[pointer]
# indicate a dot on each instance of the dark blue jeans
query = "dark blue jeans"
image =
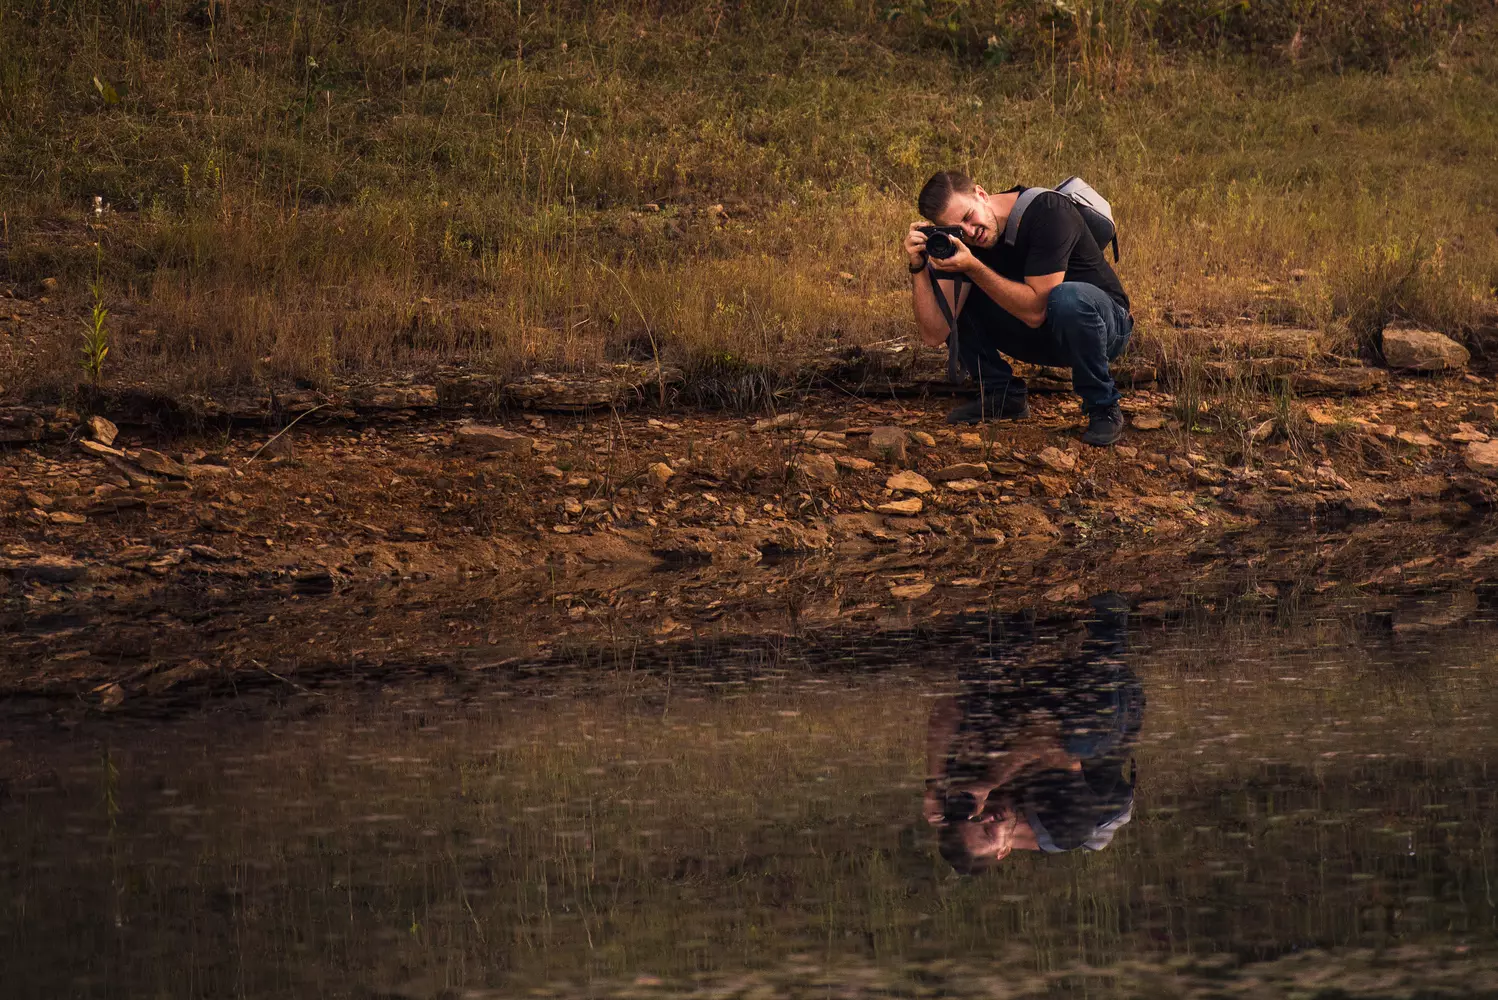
(1084, 330)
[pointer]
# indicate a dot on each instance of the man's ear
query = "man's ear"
(979, 193)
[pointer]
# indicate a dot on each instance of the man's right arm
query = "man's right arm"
(929, 321)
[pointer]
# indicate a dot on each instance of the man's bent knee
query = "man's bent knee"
(1067, 302)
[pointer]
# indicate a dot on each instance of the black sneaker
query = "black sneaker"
(1104, 427)
(1006, 406)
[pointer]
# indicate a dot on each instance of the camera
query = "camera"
(940, 241)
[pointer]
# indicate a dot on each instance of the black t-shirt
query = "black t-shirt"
(1052, 237)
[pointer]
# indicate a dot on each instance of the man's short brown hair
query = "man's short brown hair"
(939, 190)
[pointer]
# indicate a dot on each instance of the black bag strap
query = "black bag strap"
(954, 363)
(1011, 228)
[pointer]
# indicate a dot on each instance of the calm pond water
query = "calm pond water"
(989, 807)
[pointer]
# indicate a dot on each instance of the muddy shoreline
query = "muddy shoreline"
(173, 562)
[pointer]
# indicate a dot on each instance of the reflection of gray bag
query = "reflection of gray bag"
(1096, 211)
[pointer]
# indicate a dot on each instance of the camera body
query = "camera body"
(940, 241)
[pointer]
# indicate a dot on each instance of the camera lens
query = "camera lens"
(940, 246)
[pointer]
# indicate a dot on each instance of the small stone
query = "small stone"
(969, 440)
(962, 470)
(1262, 432)
(1180, 463)
(572, 505)
(579, 483)
(552, 472)
(1422, 351)
(902, 508)
(1320, 417)
(660, 473)
(209, 553)
(923, 439)
(847, 276)
(910, 591)
(1064, 592)
(853, 463)
(963, 485)
(909, 482)
(155, 461)
(818, 467)
(1147, 421)
(490, 440)
(36, 498)
(889, 442)
(49, 284)
(208, 470)
(1057, 460)
(1482, 457)
(66, 517)
(988, 537)
(1125, 451)
(1416, 438)
(775, 423)
(101, 430)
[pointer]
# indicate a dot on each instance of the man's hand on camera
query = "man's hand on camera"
(960, 262)
(915, 245)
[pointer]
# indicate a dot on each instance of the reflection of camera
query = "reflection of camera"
(941, 241)
(959, 806)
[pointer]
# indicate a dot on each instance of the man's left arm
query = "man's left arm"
(1025, 301)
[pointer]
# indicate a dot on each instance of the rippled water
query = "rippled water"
(1304, 804)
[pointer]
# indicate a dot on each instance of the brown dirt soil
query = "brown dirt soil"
(395, 545)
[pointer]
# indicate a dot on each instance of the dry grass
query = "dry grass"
(314, 194)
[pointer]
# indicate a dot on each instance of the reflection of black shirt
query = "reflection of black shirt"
(1052, 237)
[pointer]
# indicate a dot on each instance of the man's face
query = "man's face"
(975, 215)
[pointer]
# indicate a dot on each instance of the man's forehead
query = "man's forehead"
(957, 206)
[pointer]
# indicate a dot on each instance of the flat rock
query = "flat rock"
(101, 429)
(155, 461)
(818, 467)
(902, 508)
(890, 442)
(825, 440)
(969, 440)
(1416, 438)
(491, 440)
(853, 463)
(687, 545)
(910, 591)
(963, 485)
(660, 473)
(98, 450)
(775, 423)
(49, 569)
(1338, 381)
(1147, 421)
(208, 470)
(962, 470)
(909, 482)
(923, 439)
(1057, 460)
(1415, 350)
(1482, 457)
(391, 397)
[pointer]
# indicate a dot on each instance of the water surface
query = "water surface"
(1310, 802)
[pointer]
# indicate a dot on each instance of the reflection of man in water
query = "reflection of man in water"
(1036, 756)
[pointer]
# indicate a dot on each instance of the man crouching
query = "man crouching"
(1050, 298)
